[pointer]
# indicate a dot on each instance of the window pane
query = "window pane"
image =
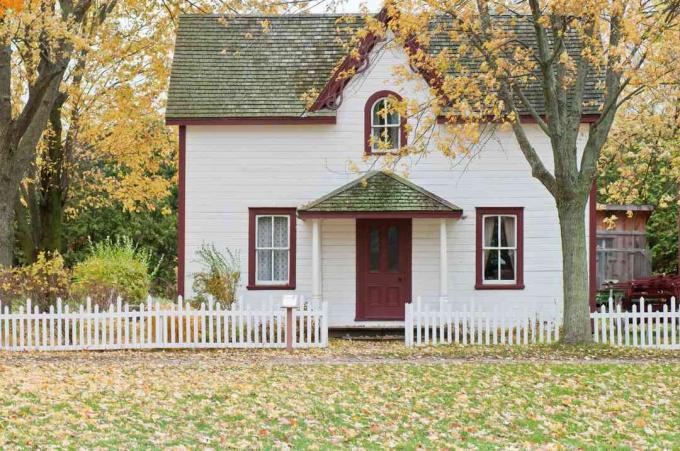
(374, 249)
(491, 265)
(280, 266)
(264, 265)
(508, 238)
(393, 248)
(507, 265)
(393, 118)
(377, 136)
(280, 231)
(264, 231)
(393, 137)
(378, 117)
(491, 231)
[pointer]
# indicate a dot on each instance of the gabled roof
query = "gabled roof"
(230, 68)
(380, 192)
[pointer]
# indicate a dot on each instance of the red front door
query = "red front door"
(383, 268)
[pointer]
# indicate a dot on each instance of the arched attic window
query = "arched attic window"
(384, 128)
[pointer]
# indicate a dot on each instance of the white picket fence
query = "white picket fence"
(640, 327)
(447, 322)
(153, 325)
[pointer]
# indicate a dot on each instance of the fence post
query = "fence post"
(324, 324)
(160, 325)
(408, 332)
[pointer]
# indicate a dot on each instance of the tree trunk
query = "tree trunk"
(8, 192)
(51, 196)
(572, 216)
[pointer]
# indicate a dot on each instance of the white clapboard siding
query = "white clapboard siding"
(447, 322)
(152, 325)
(641, 327)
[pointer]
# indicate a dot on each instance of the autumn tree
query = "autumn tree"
(37, 43)
(485, 78)
(105, 142)
(81, 100)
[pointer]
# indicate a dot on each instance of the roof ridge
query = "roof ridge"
(338, 190)
(421, 190)
(370, 174)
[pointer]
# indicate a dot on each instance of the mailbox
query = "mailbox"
(289, 301)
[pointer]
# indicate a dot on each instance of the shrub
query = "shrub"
(220, 277)
(42, 282)
(113, 268)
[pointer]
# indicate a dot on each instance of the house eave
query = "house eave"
(379, 214)
(256, 120)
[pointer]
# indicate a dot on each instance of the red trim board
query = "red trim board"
(379, 214)
(529, 119)
(592, 245)
(264, 120)
(181, 207)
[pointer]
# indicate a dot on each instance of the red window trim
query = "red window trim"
(479, 280)
(367, 120)
(253, 212)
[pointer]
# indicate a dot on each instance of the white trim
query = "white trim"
(317, 283)
(385, 125)
(443, 262)
(272, 248)
(499, 248)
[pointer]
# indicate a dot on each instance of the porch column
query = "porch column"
(316, 260)
(443, 262)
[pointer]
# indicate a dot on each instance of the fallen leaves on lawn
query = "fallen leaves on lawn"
(261, 399)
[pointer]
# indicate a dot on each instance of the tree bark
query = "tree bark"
(572, 216)
(9, 184)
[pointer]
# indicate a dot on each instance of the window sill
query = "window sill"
(516, 286)
(270, 287)
(394, 152)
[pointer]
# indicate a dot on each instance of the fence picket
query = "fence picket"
(469, 325)
(675, 319)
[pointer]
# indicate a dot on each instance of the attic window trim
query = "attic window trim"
(368, 122)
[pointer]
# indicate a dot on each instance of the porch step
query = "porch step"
(367, 334)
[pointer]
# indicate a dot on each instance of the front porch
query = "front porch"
(366, 238)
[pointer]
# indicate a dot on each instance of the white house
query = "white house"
(262, 174)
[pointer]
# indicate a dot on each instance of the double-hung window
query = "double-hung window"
(271, 248)
(499, 248)
(385, 127)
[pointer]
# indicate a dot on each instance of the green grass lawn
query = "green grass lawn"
(238, 399)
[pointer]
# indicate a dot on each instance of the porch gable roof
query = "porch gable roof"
(377, 193)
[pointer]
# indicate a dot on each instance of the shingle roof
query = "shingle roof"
(231, 68)
(524, 33)
(379, 191)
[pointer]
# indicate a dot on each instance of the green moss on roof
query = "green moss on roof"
(380, 192)
(229, 67)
